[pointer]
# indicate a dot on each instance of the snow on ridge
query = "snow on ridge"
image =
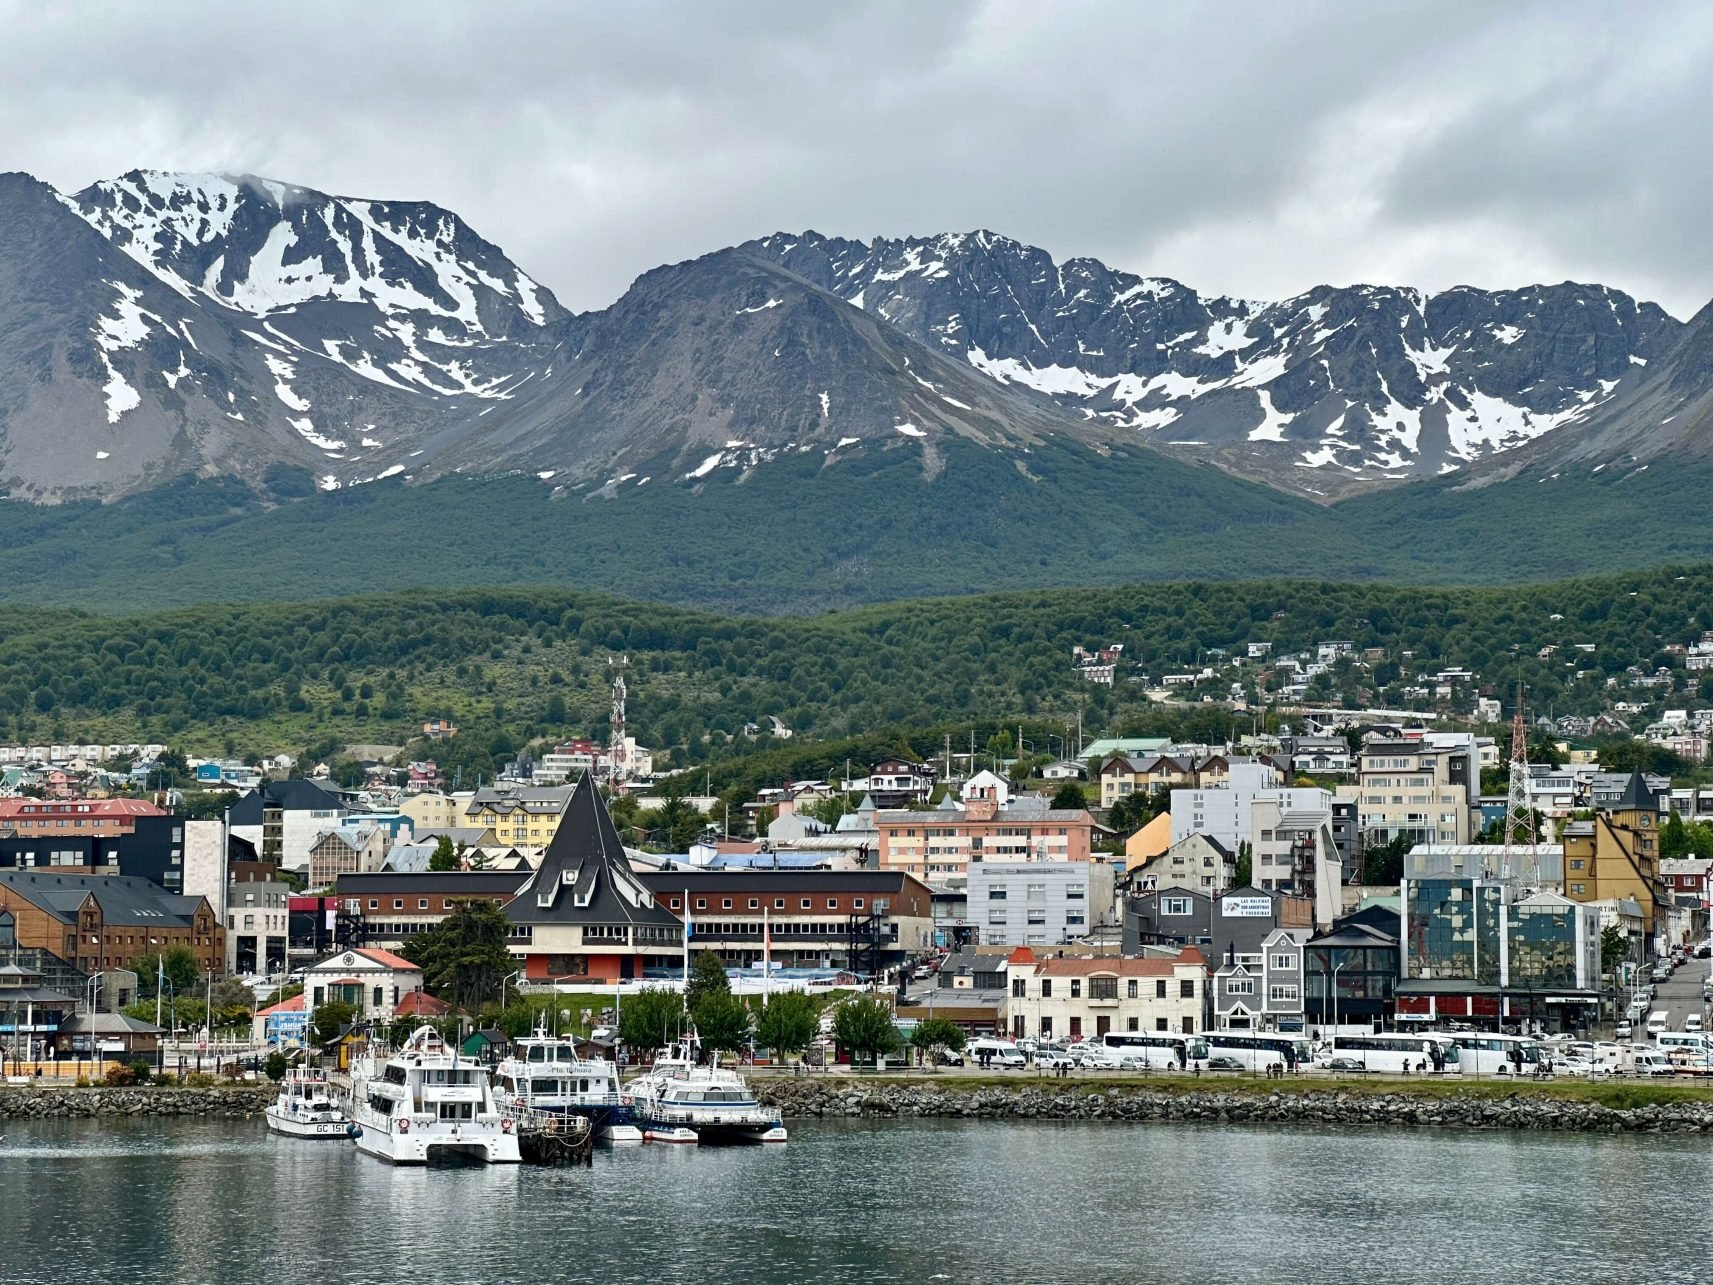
(771, 303)
(1273, 421)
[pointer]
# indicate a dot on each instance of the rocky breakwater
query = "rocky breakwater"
(73, 1103)
(846, 1097)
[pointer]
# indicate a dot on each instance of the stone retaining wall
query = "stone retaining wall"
(246, 1100)
(841, 1097)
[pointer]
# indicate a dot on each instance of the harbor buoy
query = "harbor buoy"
(403, 1123)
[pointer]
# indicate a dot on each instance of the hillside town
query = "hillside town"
(1351, 878)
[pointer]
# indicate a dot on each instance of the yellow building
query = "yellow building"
(1616, 854)
(435, 811)
(524, 816)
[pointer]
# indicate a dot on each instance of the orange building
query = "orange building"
(29, 818)
(95, 922)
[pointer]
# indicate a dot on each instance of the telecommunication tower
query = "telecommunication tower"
(618, 765)
(1520, 827)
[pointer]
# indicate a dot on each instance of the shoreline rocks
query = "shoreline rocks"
(75, 1103)
(852, 1098)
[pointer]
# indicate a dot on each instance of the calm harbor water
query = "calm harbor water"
(224, 1202)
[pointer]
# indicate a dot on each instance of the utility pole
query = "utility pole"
(1519, 816)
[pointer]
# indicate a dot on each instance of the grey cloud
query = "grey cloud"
(1252, 148)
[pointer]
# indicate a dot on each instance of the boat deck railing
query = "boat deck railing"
(693, 1119)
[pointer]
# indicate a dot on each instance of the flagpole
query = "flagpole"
(766, 956)
(687, 931)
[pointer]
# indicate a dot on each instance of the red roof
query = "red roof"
(422, 1004)
(387, 958)
(80, 807)
(292, 1005)
(1022, 955)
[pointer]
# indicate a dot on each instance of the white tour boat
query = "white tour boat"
(305, 1107)
(545, 1074)
(680, 1100)
(426, 1104)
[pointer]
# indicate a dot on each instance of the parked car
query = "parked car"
(951, 1057)
(1703, 951)
(1692, 1022)
(1054, 1061)
(1623, 1031)
(1222, 1063)
(1344, 1064)
(999, 1053)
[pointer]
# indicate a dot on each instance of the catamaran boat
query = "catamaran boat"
(426, 1104)
(545, 1074)
(680, 1100)
(305, 1107)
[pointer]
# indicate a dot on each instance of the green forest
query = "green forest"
(799, 536)
(512, 665)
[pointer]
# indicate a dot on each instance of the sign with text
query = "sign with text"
(1247, 907)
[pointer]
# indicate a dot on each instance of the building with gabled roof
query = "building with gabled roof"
(374, 982)
(95, 922)
(583, 913)
(1077, 998)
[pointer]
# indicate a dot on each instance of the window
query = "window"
(1131, 991)
(856, 903)
(805, 903)
(378, 1000)
(1240, 986)
(1579, 889)
(1038, 918)
(701, 903)
(1046, 988)
(1132, 1023)
(422, 903)
(1074, 917)
(754, 904)
(1160, 989)
(673, 904)
(1017, 988)
(1076, 988)
(1073, 894)
(832, 903)
(725, 903)
(398, 903)
(1174, 905)
(996, 917)
(996, 894)
(1103, 988)
(1282, 993)
(1187, 988)
(779, 903)
(1286, 962)
(1160, 1024)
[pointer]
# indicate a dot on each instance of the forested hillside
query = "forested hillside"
(804, 535)
(509, 665)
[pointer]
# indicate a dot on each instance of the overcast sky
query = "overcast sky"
(1254, 150)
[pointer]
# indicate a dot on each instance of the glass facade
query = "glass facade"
(1452, 928)
(1542, 945)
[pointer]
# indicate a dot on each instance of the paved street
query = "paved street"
(1681, 995)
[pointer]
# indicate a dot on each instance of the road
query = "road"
(1681, 995)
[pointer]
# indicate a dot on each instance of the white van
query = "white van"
(1651, 1064)
(1657, 1022)
(999, 1053)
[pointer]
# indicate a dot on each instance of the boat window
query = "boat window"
(457, 1110)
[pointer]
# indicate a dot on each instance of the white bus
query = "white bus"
(1259, 1050)
(1397, 1051)
(1482, 1054)
(1693, 1041)
(1161, 1048)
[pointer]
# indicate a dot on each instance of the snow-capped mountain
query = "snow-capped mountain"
(158, 324)
(216, 324)
(1336, 386)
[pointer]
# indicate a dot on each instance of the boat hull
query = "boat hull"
(333, 1129)
(474, 1144)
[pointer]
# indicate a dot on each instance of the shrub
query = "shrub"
(275, 1066)
(120, 1077)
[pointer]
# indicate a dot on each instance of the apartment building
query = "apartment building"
(1423, 790)
(1039, 903)
(1055, 998)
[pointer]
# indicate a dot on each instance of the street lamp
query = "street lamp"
(1335, 973)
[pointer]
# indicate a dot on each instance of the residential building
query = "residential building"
(897, 782)
(522, 816)
(432, 811)
(1423, 790)
(938, 845)
(583, 913)
(94, 922)
(1224, 811)
(347, 849)
(1148, 842)
(258, 927)
(1198, 861)
(1069, 998)
(1260, 988)
(375, 983)
(1039, 903)
(28, 818)
(1319, 755)
(1293, 849)
(283, 818)
(1178, 917)
(1616, 856)
(865, 921)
